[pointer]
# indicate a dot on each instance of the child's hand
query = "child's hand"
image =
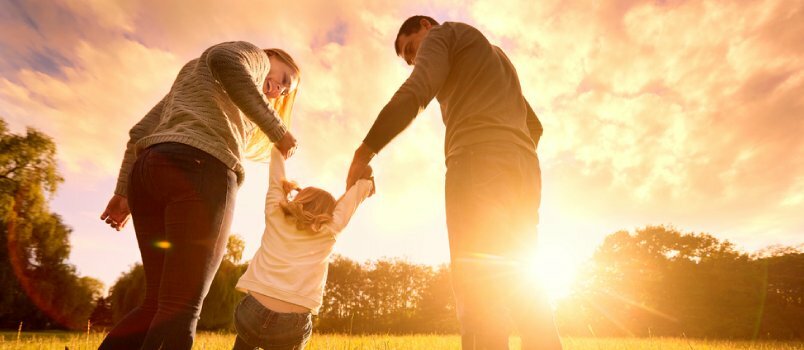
(368, 173)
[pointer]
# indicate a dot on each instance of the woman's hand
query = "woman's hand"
(287, 145)
(117, 212)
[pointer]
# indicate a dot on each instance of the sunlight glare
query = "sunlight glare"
(555, 271)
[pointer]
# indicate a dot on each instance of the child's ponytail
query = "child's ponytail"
(310, 209)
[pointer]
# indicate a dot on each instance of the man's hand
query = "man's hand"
(287, 145)
(368, 174)
(117, 212)
(360, 162)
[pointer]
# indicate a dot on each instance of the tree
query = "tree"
(782, 313)
(127, 293)
(436, 311)
(101, 317)
(234, 249)
(39, 287)
(658, 281)
(342, 295)
(386, 296)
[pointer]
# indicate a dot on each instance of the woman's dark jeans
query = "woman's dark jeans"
(258, 326)
(181, 201)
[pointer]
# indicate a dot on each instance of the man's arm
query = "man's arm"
(534, 126)
(429, 73)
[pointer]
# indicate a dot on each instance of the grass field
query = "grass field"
(214, 341)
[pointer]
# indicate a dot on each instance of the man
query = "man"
(493, 181)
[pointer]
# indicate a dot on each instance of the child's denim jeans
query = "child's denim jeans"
(260, 327)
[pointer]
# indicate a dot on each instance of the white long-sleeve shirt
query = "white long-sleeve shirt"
(291, 264)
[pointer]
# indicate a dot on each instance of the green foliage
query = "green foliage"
(101, 317)
(383, 296)
(234, 249)
(127, 292)
(386, 296)
(39, 287)
(660, 282)
(656, 281)
(218, 309)
(782, 313)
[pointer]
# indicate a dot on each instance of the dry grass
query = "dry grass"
(214, 341)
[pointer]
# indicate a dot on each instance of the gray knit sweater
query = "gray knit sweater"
(214, 105)
(475, 84)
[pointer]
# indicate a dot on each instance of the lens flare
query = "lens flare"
(162, 244)
(44, 298)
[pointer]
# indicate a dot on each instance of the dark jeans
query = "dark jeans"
(181, 201)
(258, 326)
(493, 194)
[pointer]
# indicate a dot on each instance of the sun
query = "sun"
(555, 271)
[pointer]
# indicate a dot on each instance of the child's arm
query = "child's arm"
(348, 204)
(276, 173)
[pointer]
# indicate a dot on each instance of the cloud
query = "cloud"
(90, 105)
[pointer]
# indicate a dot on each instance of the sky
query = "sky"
(682, 113)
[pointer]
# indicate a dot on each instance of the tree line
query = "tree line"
(383, 296)
(37, 286)
(654, 281)
(658, 281)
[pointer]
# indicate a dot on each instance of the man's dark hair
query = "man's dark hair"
(410, 26)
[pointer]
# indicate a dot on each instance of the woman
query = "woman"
(180, 175)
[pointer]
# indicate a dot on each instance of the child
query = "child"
(285, 279)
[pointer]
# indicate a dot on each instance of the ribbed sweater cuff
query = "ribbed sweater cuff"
(277, 132)
(121, 188)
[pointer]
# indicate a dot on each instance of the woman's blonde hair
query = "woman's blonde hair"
(258, 145)
(310, 209)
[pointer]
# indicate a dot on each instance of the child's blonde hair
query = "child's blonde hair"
(310, 209)
(258, 145)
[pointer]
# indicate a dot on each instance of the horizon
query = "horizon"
(648, 119)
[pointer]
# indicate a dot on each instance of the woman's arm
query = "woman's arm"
(232, 64)
(143, 128)
(117, 211)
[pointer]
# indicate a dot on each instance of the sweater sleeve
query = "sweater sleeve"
(276, 173)
(431, 68)
(347, 205)
(143, 128)
(232, 64)
(534, 126)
